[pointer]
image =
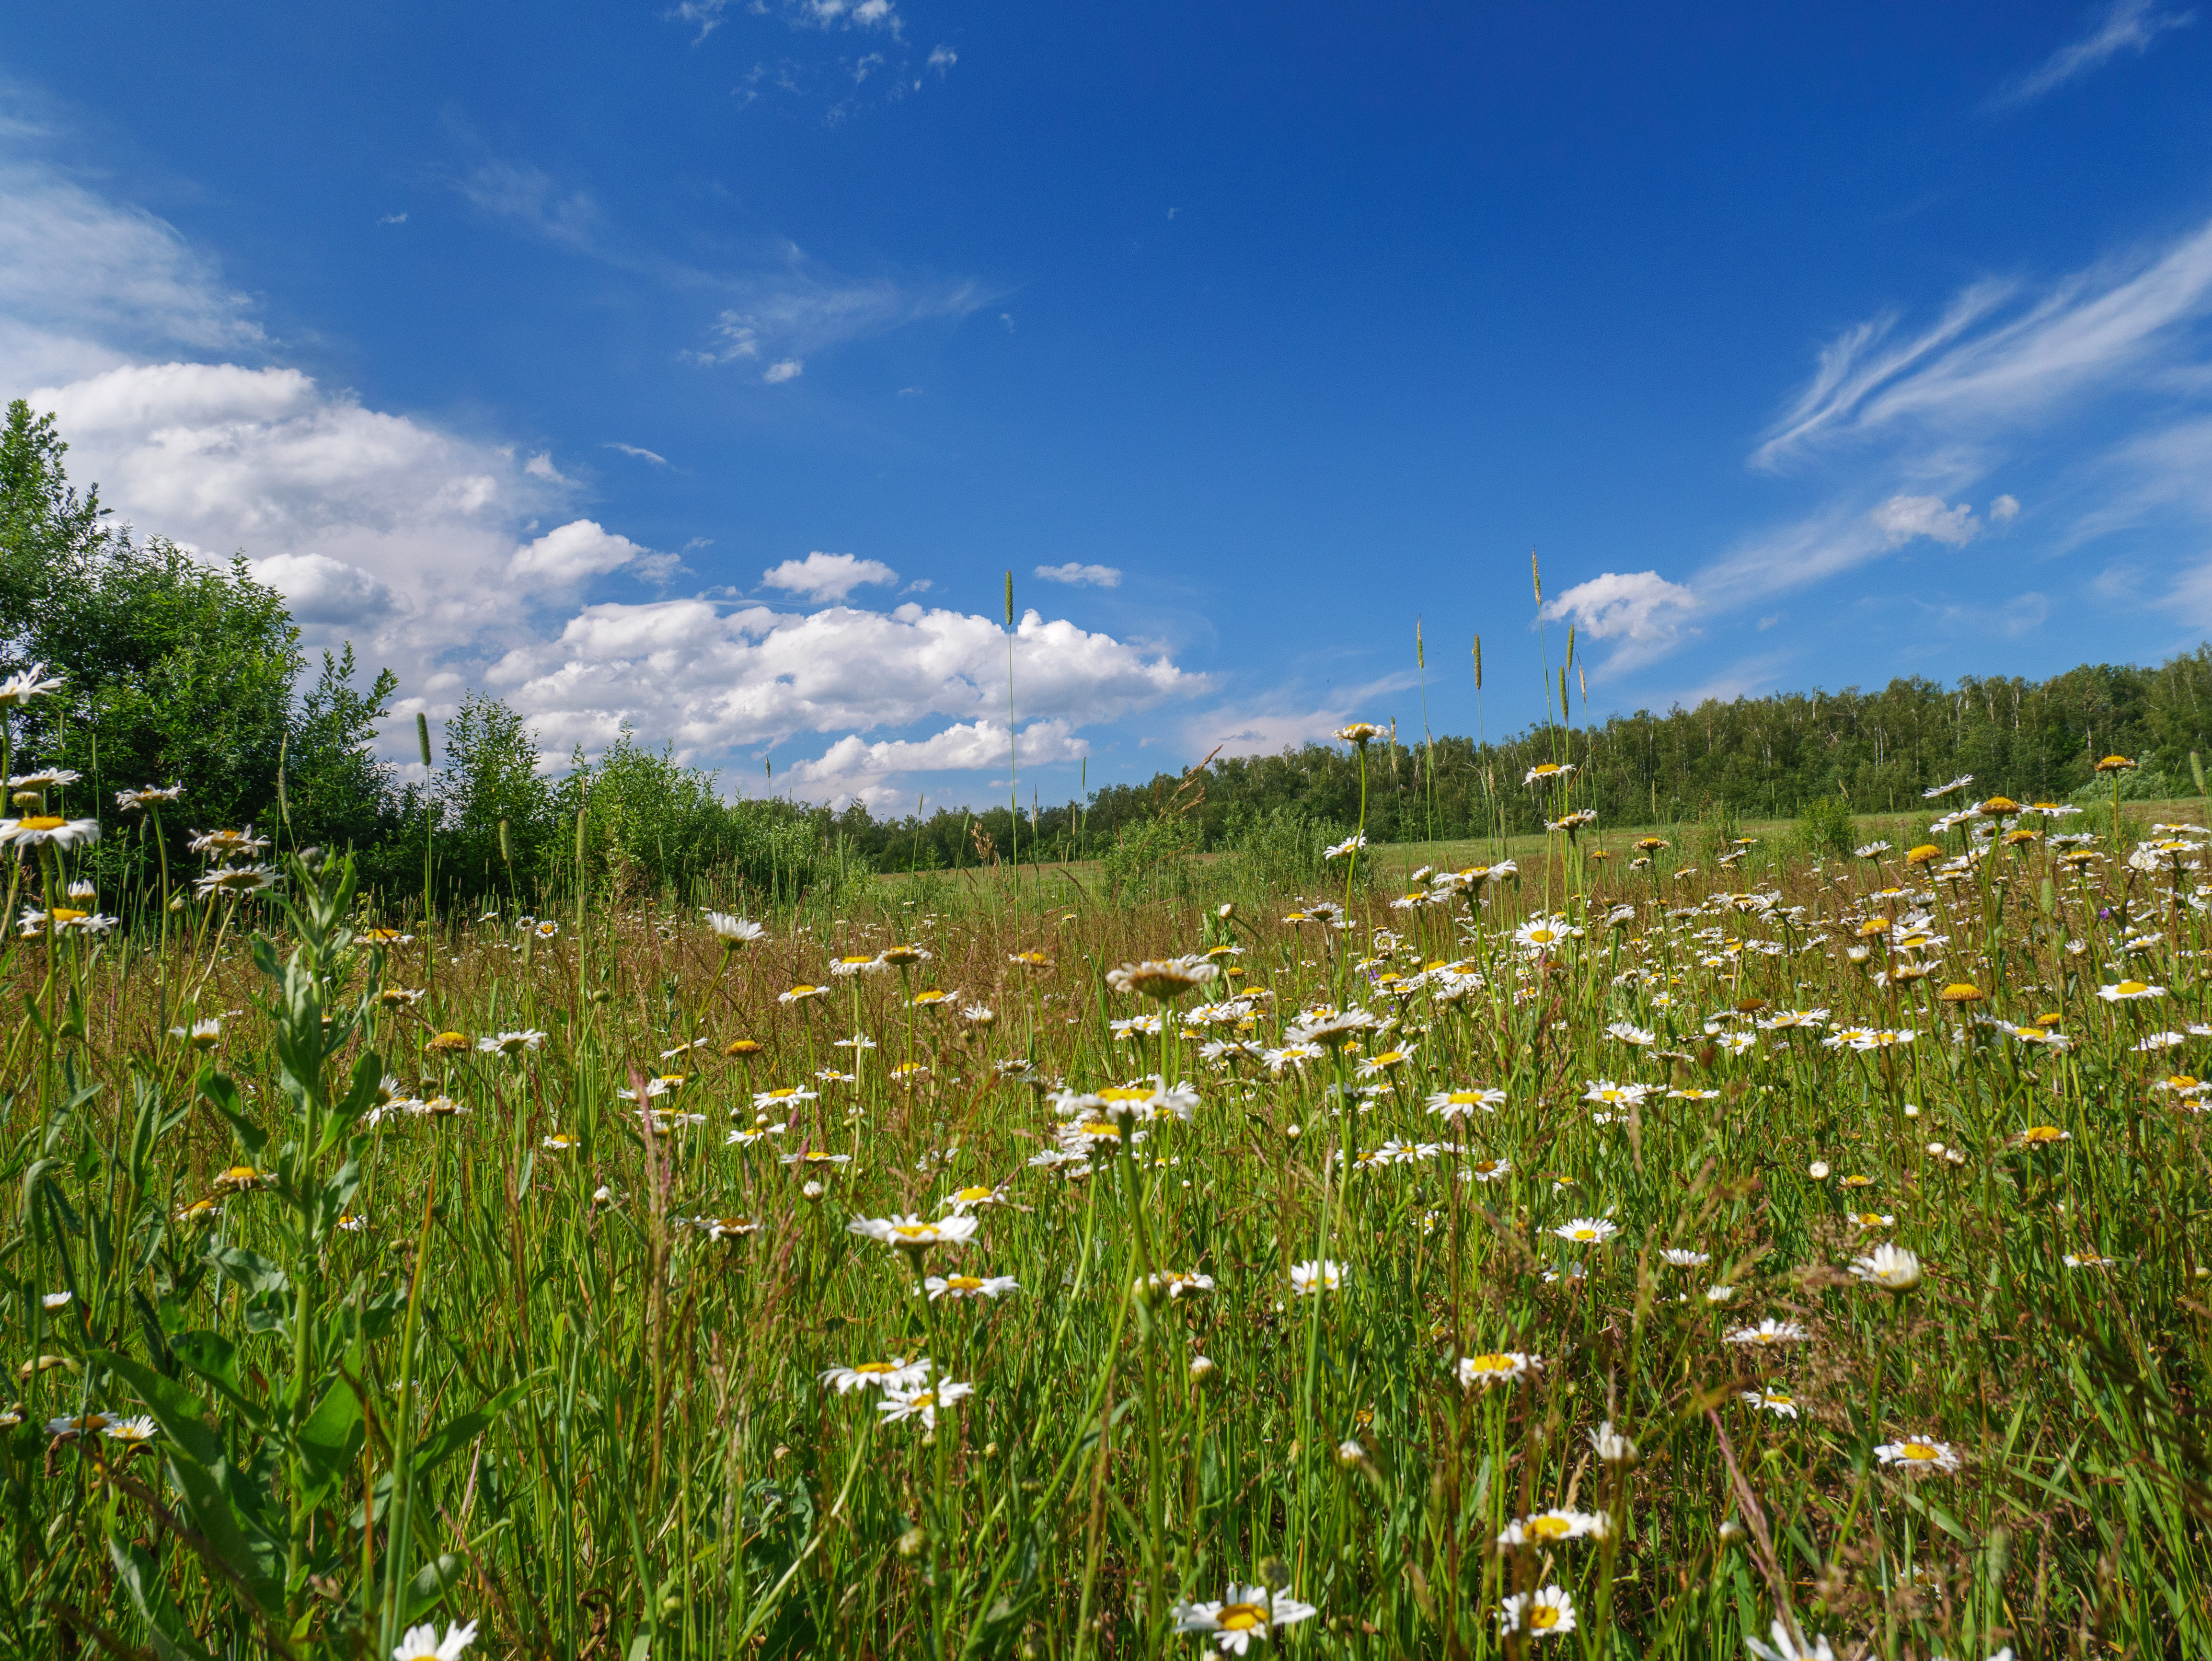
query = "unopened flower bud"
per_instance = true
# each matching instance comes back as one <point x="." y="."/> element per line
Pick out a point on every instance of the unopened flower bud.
<point x="1203" y="1371"/>
<point x="913" y="1542"/>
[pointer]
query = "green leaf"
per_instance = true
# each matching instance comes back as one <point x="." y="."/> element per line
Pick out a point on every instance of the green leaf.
<point x="214" y="1359"/>
<point x="197" y="1467"/>
<point x="249" y="1270"/>
<point x="222" y="1094"/>
<point x="448" y="1439"/>
<point x="360" y="1097"/>
<point x="427" y="1589"/>
<point x="329" y="1441"/>
<point x="134" y="1572"/>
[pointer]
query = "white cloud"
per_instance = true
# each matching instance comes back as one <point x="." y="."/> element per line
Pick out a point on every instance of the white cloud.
<point x="1987" y="363"/>
<point x="942" y="58"/>
<point x="822" y="576"/>
<point x="638" y="453"/>
<point x="871" y="15"/>
<point x="580" y="549"/>
<point x="2125" y="26"/>
<point x="393" y="219"/>
<point x="1079" y="576"/>
<point x="533" y="199"/>
<point x="1640" y="607"/>
<point x="854" y="767"/>
<point x="322" y="590"/>
<point x="797" y="309"/>
<point x="789" y="368"/>
<point x="713" y="680"/>
<point x="1901" y="519"/>
<point x="2004" y="509"/>
<point x="423" y="546"/>
<point x="87" y="284"/>
<point x="1284" y="719"/>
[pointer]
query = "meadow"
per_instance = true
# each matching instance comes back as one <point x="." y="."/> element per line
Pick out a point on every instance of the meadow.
<point x="1681" y="1243"/>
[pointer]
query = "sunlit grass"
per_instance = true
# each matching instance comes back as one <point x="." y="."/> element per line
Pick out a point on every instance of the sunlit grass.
<point x="1317" y="1345"/>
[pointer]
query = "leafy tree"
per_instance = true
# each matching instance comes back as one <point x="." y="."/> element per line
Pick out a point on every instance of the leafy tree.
<point x="338" y="794"/>
<point x="491" y="778"/>
<point x="178" y="672"/>
<point x="49" y="534"/>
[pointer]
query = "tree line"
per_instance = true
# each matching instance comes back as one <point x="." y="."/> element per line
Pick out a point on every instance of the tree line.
<point x="176" y="671"/>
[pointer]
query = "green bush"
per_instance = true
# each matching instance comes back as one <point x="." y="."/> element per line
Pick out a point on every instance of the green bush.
<point x="1825" y="825"/>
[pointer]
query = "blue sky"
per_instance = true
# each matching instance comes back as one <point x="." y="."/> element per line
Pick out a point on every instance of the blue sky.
<point x="704" y="367"/>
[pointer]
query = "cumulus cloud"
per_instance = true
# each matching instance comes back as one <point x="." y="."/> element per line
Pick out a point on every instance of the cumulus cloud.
<point x="322" y="590"/>
<point x="429" y="549"/>
<point x="1638" y="606"/>
<point x="822" y="576"/>
<point x="1082" y="576"/>
<point x="1902" y="518"/>
<point x="578" y="550"/>
<point x="854" y="767"/>
<point x="712" y="679"/>
<point x="2124" y="26"/>
<point x="2004" y="509"/>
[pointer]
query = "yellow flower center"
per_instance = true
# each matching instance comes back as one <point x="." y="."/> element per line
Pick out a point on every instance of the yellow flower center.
<point x="1543" y="1618"/>
<point x="2129" y="988"/>
<point x="1551" y="1528"/>
<point x="2041" y="1132"/>
<point x="915" y="1231"/>
<point x="42" y="822"/>
<point x="963" y="1282"/>
<point x="1240" y="1617"/>
<point x="1918" y="1451"/>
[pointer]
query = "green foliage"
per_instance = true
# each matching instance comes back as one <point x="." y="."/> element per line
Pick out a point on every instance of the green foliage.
<point x="1826" y="826"/>
<point x="1150" y="858"/>
<point x="651" y="823"/>
<point x="177" y="672"/>
<point x="1279" y="848"/>
<point x="491" y="778"/>
<point x="49" y="534"/>
<point x="337" y="794"/>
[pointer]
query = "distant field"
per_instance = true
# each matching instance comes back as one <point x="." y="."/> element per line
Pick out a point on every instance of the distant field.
<point x="1393" y="860"/>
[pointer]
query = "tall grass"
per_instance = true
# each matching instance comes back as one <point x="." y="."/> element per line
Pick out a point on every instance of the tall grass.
<point x="453" y="1365"/>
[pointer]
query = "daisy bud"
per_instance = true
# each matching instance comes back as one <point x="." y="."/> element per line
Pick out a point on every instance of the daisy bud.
<point x="912" y="1543"/>
<point x="1203" y="1371"/>
<point x="1731" y="1531"/>
<point x="1818" y="1171"/>
<point x="813" y="1191"/>
<point x="1350" y="1454"/>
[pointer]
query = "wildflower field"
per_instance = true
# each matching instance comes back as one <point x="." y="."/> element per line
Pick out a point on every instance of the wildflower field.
<point x="1627" y="1249"/>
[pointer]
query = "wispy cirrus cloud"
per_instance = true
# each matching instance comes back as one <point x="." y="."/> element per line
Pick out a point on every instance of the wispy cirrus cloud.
<point x="462" y="560"/>
<point x="2124" y="26"/>
<point x="772" y="314"/>
<point x="2098" y="383"/>
<point x="2001" y="354"/>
